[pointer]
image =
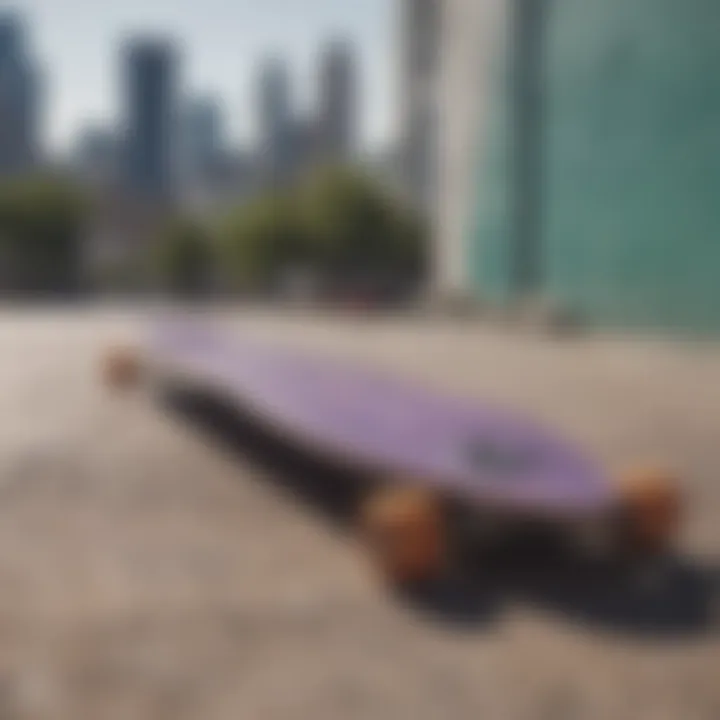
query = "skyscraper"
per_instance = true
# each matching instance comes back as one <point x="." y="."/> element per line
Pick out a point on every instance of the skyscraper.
<point x="18" y="99"/>
<point x="149" y="132"/>
<point x="200" y="139"/>
<point x="275" y="121"/>
<point x="337" y="112"/>
<point x="95" y="155"/>
<point x="420" y="29"/>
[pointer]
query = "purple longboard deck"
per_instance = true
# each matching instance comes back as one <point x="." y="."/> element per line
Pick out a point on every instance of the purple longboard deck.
<point x="380" y="422"/>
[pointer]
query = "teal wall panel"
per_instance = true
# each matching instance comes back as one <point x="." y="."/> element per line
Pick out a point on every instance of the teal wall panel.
<point x="491" y="224"/>
<point x="630" y="178"/>
<point x="631" y="225"/>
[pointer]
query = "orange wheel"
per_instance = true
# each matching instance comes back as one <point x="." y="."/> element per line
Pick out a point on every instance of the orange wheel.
<point x="121" y="367"/>
<point x="404" y="530"/>
<point x="652" y="509"/>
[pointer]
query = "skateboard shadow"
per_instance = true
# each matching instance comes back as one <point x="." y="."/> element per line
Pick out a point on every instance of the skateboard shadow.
<point x="681" y="600"/>
<point x="318" y="485"/>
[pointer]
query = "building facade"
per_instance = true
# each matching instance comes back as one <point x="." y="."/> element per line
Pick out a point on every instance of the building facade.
<point x="150" y="118"/>
<point x="19" y="99"/>
<point x="96" y="155"/>
<point x="200" y="136"/>
<point x="275" y="122"/>
<point x="578" y="157"/>
<point x="338" y="104"/>
<point x="420" y="33"/>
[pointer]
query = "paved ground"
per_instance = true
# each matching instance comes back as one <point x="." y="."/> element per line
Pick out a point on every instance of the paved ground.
<point x="148" y="570"/>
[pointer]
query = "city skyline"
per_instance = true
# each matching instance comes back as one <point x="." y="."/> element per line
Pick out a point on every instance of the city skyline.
<point x="81" y="58"/>
<point x="168" y="145"/>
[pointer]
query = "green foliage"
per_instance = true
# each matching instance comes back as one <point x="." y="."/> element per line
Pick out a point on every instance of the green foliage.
<point x="183" y="257"/>
<point x="364" y="233"/>
<point x="340" y="224"/>
<point x="257" y="242"/>
<point x="41" y="220"/>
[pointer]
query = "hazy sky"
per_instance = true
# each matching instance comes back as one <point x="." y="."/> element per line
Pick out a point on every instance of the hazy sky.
<point x="77" y="44"/>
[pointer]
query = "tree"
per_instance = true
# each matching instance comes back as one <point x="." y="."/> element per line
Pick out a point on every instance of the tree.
<point x="261" y="240"/>
<point x="363" y="234"/>
<point x="339" y="225"/>
<point x="41" y="224"/>
<point x="184" y="257"/>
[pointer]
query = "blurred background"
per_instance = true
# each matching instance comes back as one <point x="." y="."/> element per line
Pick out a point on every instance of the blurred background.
<point x="180" y="156"/>
<point x="552" y="155"/>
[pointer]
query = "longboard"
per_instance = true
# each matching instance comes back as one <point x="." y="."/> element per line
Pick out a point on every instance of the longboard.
<point x="408" y="436"/>
<point x="390" y="426"/>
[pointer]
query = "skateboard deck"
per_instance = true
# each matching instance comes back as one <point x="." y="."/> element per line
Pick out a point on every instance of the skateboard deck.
<point x="388" y="425"/>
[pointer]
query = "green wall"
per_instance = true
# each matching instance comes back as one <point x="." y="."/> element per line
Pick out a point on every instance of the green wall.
<point x="629" y="228"/>
<point x="489" y="247"/>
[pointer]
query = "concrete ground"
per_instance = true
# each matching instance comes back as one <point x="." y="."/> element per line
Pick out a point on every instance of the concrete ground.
<point x="150" y="570"/>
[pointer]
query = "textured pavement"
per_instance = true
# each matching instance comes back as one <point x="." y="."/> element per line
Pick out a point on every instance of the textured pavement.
<point x="150" y="570"/>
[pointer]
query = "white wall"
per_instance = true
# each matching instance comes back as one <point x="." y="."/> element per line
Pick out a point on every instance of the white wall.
<point x="473" y="41"/>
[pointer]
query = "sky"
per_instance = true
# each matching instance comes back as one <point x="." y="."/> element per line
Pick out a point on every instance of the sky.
<point x="76" y="43"/>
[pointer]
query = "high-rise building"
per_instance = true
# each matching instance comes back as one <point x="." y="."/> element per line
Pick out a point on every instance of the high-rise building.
<point x="275" y="121"/>
<point x="200" y="136"/>
<point x="19" y="91"/>
<point x="337" y="112"/>
<point x="303" y="142"/>
<point x="212" y="173"/>
<point x="150" y="117"/>
<point x="578" y="160"/>
<point x="420" y="28"/>
<point x="95" y="155"/>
